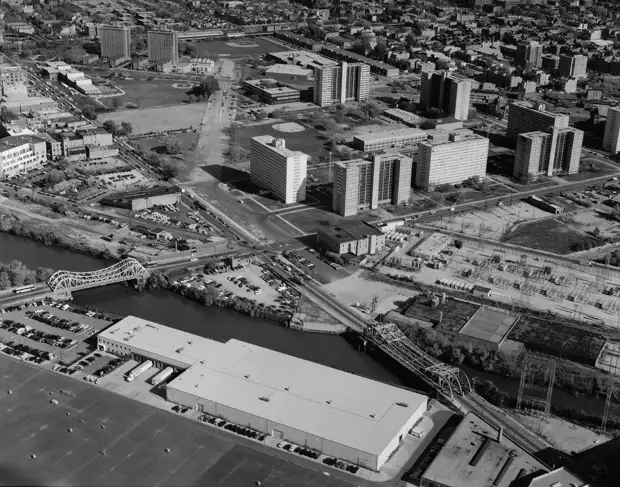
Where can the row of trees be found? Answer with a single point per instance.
(15, 273)
(125, 128)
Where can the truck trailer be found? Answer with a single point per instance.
(138, 371)
(162, 376)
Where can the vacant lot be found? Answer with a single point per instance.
(238, 48)
(158, 145)
(310, 141)
(159, 119)
(454, 313)
(154, 93)
(133, 436)
(590, 168)
(552, 236)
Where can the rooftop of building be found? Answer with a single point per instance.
(268, 141)
(473, 457)
(270, 85)
(433, 243)
(438, 137)
(559, 477)
(16, 140)
(537, 107)
(489, 324)
(390, 133)
(144, 193)
(289, 69)
(349, 231)
(319, 400)
(408, 116)
(303, 58)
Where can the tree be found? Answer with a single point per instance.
(374, 303)
(6, 115)
(168, 171)
(110, 126)
(156, 160)
(89, 112)
(207, 87)
(126, 128)
(173, 148)
(370, 110)
(116, 103)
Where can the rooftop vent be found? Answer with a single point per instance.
(247, 376)
(372, 415)
(402, 404)
(287, 389)
(179, 350)
(265, 399)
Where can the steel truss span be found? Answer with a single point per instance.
(389, 338)
(125, 270)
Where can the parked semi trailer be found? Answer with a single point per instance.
(139, 370)
(162, 376)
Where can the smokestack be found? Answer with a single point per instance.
(500, 434)
(440, 316)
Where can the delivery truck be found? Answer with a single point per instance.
(162, 376)
(138, 371)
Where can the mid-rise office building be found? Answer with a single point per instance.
(271, 91)
(448, 91)
(278, 169)
(450, 158)
(10, 74)
(525, 117)
(573, 66)
(115, 42)
(611, 139)
(359, 184)
(529, 54)
(20, 154)
(388, 139)
(547, 153)
(341, 83)
(163, 46)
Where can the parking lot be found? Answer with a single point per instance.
(253, 276)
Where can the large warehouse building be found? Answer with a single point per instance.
(337, 413)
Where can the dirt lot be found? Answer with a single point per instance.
(159, 119)
(492, 223)
(552, 236)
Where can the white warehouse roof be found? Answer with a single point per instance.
(321, 401)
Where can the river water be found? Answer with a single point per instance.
(212, 322)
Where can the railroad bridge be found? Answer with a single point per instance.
(63, 283)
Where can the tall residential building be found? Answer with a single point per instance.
(359, 184)
(115, 42)
(573, 66)
(163, 46)
(450, 158)
(547, 153)
(448, 91)
(611, 139)
(525, 117)
(529, 54)
(341, 83)
(278, 169)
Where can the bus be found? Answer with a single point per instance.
(24, 289)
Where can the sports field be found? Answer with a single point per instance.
(310, 140)
(159, 119)
(237, 48)
(133, 436)
(154, 93)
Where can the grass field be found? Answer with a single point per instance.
(552, 236)
(134, 439)
(254, 47)
(147, 94)
(159, 119)
(310, 141)
(588, 169)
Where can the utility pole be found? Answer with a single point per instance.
(330, 166)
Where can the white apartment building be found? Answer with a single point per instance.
(449, 91)
(20, 154)
(611, 139)
(450, 158)
(163, 46)
(573, 66)
(341, 83)
(278, 169)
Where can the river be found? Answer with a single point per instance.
(173, 310)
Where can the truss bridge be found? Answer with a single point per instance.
(65, 282)
(388, 337)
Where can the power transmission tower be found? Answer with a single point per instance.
(532, 363)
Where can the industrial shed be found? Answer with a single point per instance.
(337, 413)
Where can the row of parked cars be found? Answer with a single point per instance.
(14, 352)
(36, 335)
(240, 430)
(56, 322)
(305, 452)
(333, 462)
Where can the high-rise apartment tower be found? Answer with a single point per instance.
(611, 139)
(448, 91)
(115, 42)
(529, 54)
(163, 46)
(341, 83)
